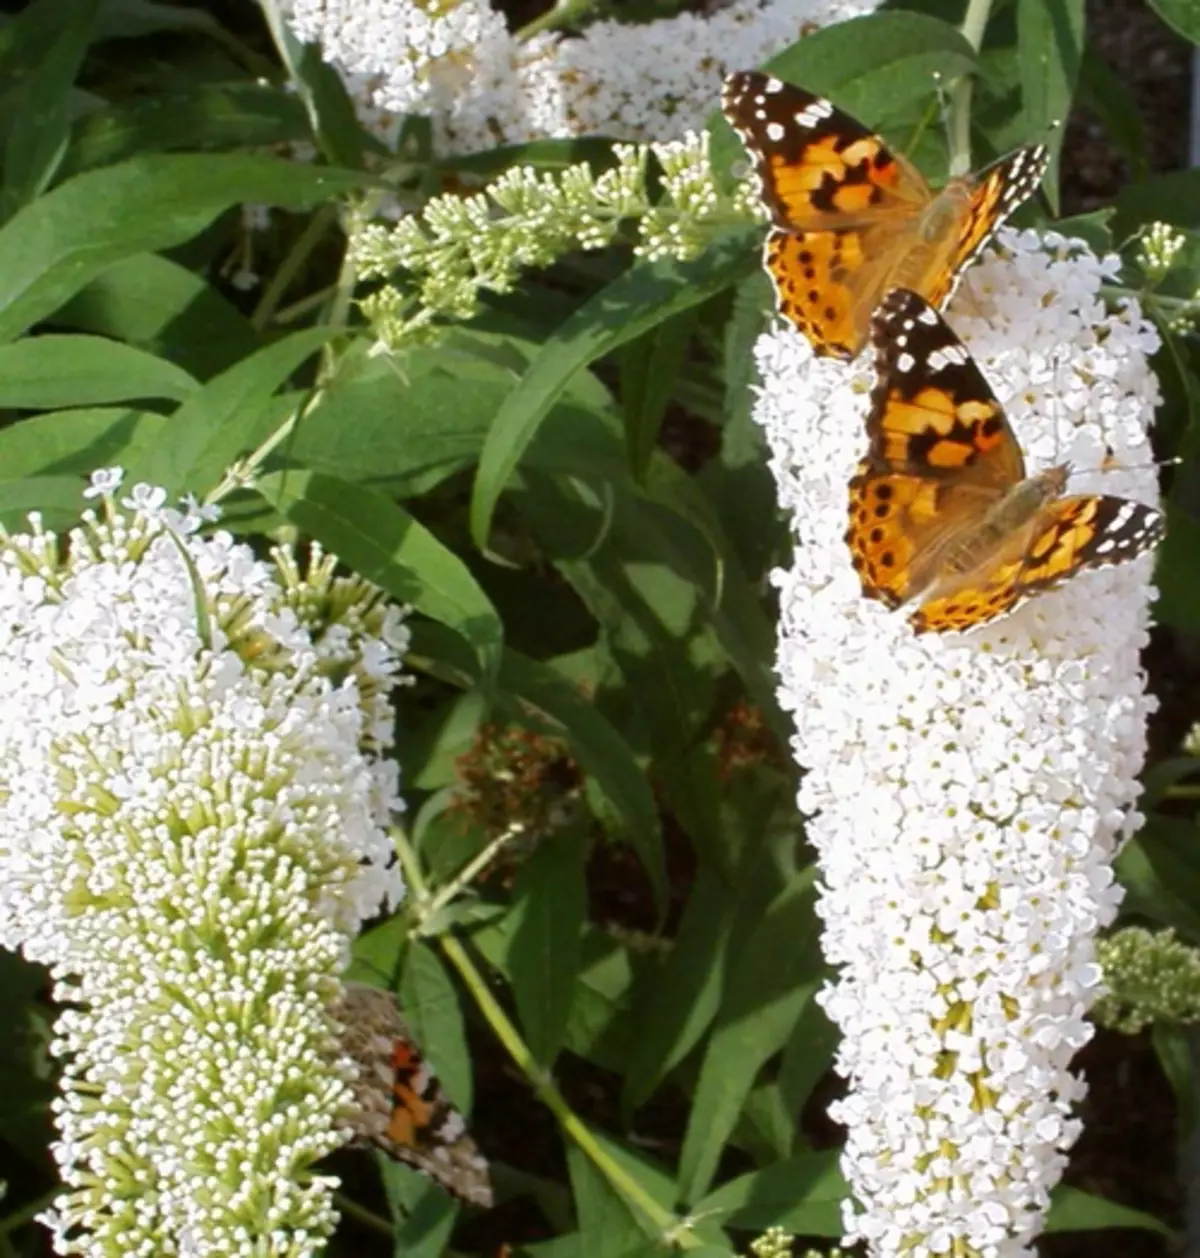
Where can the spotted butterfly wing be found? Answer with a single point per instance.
(941, 510)
(399, 1105)
(850, 218)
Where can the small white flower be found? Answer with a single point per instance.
(967, 793)
(104, 482)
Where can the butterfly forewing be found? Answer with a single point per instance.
(994, 194)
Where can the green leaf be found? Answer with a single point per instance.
(807, 1055)
(549, 905)
(26, 1082)
(431, 1009)
(646, 295)
(131, 19)
(213, 116)
(771, 977)
(39, 372)
(599, 1028)
(1178, 601)
(1183, 15)
(1073, 1210)
(542, 154)
(873, 65)
(1104, 93)
(331, 113)
(1174, 1046)
(1050, 51)
(609, 1226)
(677, 1006)
(1173, 198)
(1093, 228)
(50, 249)
(46, 47)
(600, 749)
(739, 481)
(1161, 874)
(386, 545)
(229, 415)
(57, 498)
(424, 1214)
(414, 420)
(75, 443)
(649, 369)
(160, 306)
(802, 1194)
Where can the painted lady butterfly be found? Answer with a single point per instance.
(851, 219)
(399, 1105)
(941, 510)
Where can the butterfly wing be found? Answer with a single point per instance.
(844, 208)
(992, 196)
(940, 452)
(1070, 535)
(400, 1106)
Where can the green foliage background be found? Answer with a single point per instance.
(517, 482)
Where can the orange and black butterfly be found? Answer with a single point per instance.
(399, 1104)
(944, 517)
(851, 219)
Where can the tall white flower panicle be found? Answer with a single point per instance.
(967, 792)
(456, 62)
(193, 805)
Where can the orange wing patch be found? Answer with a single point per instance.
(852, 219)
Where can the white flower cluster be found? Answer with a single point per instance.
(966, 792)
(456, 61)
(192, 825)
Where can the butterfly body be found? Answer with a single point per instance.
(851, 219)
(942, 513)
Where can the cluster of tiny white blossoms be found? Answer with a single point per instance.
(456, 62)
(193, 812)
(966, 792)
(458, 247)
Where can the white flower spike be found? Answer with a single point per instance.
(191, 831)
(967, 791)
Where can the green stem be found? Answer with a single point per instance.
(668, 1224)
(360, 1214)
(437, 902)
(561, 14)
(298, 309)
(974, 24)
(241, 473)
(308, 240)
